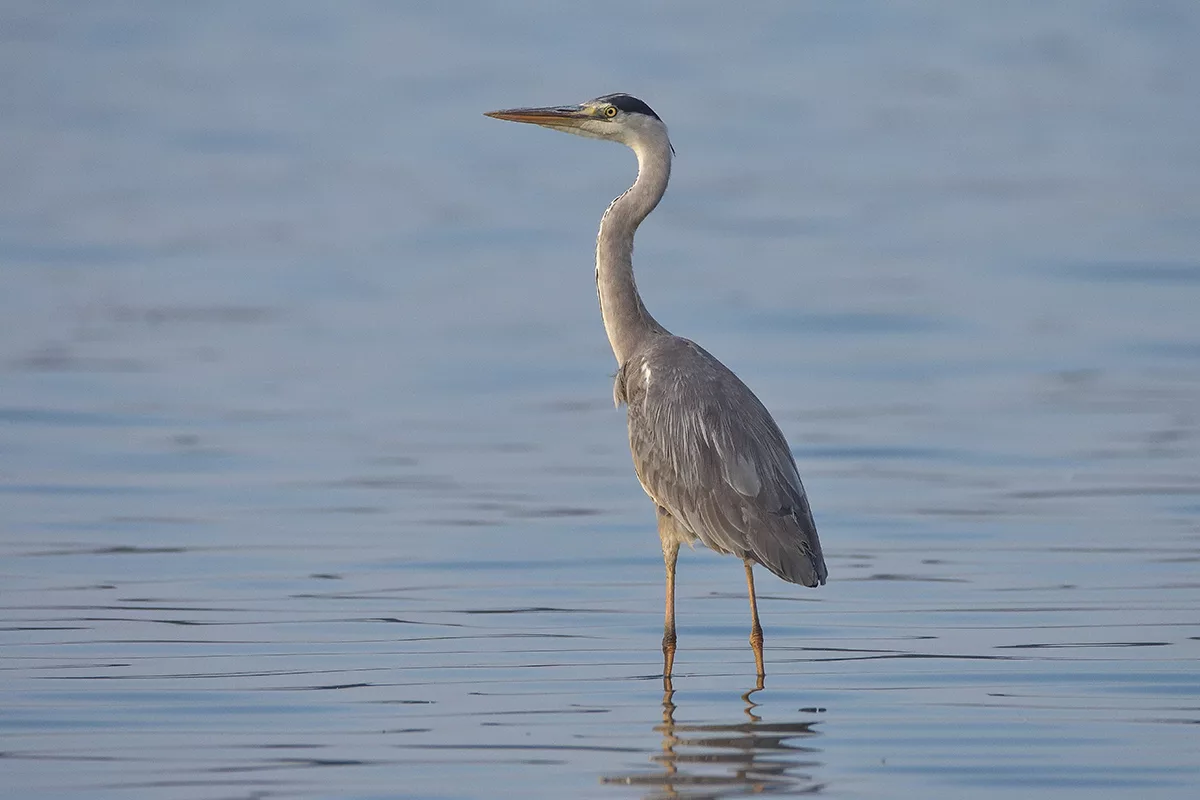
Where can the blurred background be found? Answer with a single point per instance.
(310, 481)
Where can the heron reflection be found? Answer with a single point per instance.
(705, 761)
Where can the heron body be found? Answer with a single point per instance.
(705, 449)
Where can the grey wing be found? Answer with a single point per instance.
(707, 451)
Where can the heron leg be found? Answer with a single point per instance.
(670, 555)
(756, 632)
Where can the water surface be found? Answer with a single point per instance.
(310, 479)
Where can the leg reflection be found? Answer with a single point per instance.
(709, 758)
(750, 704)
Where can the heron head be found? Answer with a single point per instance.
(616, 117)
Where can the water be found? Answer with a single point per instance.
(311, 485)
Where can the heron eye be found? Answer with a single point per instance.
(610, 112)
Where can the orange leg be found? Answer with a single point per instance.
(670, 555)
(756, 633)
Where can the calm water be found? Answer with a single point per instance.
(310, 481)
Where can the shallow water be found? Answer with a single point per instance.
(310, 479)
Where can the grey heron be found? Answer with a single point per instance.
(705, 449)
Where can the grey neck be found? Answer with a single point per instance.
(626, 320)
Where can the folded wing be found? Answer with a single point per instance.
(707, 451)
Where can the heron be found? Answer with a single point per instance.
(705, 449)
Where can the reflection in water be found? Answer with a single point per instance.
(701, 761)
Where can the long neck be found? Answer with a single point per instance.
(626, 319)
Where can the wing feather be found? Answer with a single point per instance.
(706, 450)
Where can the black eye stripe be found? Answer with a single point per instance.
(628, 104)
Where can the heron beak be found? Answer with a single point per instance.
(560, 117)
